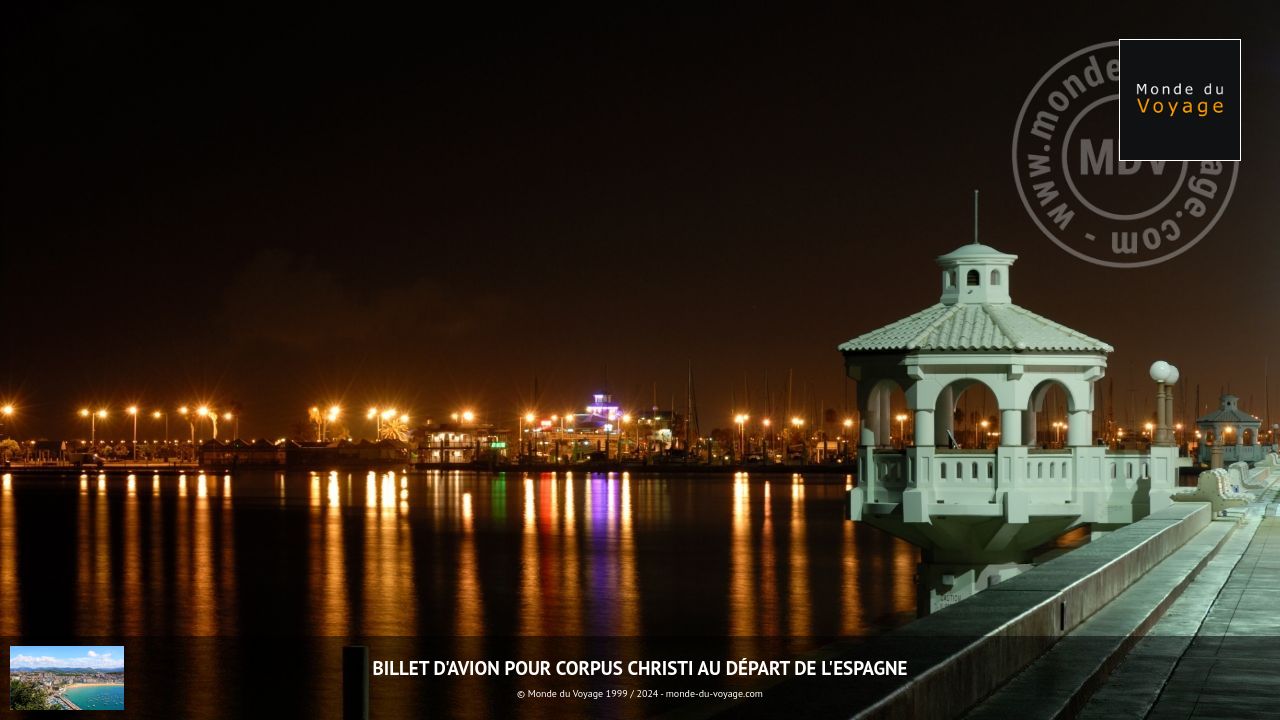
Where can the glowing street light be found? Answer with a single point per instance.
(133, 449)
(235, 423)
(186, 414)
(162, 414)
(741, 420)
(93, 422)
(332, 415)
(205, 412)
(468, 416)
(902, 428)
(521, 422)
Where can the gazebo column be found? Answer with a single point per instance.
(1029, 426)
(1010, 427)
(884, 433)
(942, 420)
(1079, 428)
(924, 427)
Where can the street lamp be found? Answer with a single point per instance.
(468, 416)
(521, 422)
(235, 424)
(93, 422)
(623, 420)
(741, 420)
(7, 412)
(984, 425)
(797, 422)
(902, 428)
(185, 413)
(331, 416)
(133, 411)
(159, 414)
(204, 412)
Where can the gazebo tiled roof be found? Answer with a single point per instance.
(1228, 412)
(969, 327)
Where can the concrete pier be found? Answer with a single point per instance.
(1216, 653)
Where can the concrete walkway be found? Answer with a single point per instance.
(1216, 652)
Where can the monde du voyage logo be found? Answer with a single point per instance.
(1083, 197)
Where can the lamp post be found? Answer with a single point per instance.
(331, 417)
(235, 423)
(133, 412)
(525, 420)
(1166, 376)
(741, 420)
(623, 421)
(159, 414)
(846, 434)
(902, 428)
(93, 422)
(186, 414)
(984, 425)
(7, 412)
(204, 412)
(798, 423)
(768, 439)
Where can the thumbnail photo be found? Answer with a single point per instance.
(66, 677)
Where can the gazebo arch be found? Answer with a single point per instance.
(948, 398)
(877, 409)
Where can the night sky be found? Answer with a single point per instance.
(285, 208)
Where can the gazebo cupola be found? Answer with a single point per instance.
(977, 274)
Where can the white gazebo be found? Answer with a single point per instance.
(977, 512)
(1231, 431)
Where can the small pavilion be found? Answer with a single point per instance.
(1233, 431)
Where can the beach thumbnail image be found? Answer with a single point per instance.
(66, 677)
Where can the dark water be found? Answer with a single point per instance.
(228, 590)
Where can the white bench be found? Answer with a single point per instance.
(1218, 488)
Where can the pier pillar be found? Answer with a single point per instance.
(1029, 427)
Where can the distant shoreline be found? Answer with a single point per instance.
(67, 701)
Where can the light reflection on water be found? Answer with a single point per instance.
(444, 554)
(543, 565)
